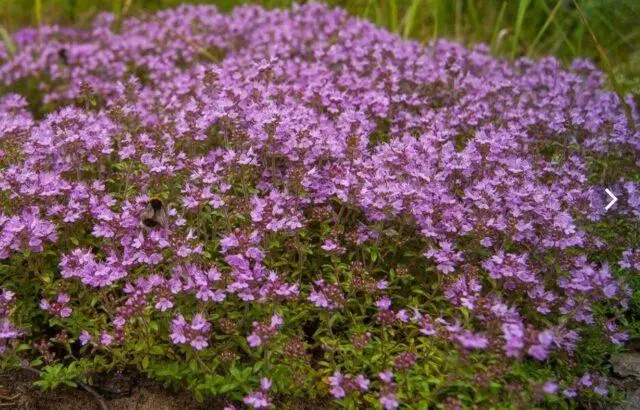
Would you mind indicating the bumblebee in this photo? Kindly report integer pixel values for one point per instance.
(63, 56)
(155, 215)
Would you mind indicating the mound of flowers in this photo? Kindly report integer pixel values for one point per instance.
(273, 205)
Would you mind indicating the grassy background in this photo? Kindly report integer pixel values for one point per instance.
(510, 27)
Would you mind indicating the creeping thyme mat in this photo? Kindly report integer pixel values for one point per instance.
(265, 206)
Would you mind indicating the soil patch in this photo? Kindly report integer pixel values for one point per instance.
(128, 392)
(18, 392)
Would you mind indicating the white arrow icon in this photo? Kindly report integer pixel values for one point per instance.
(613, 199)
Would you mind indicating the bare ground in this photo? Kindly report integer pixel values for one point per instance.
(18, 392)
(130, 392)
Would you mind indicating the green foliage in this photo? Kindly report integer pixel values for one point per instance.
(58, 374)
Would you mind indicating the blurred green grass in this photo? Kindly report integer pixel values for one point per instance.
(510, 27)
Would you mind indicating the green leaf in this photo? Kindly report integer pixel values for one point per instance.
(9, 45)
(235, 373)
(228, 387)
(23, 347)
(157, 350)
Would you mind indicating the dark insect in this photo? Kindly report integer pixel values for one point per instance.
(310, 327)
(62, 54)
(155, 215)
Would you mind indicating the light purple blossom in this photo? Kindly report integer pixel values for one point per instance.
(550, 387)
(194, 334)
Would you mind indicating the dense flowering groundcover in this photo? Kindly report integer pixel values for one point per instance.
(346, 214)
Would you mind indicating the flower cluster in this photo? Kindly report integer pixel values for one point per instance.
(388, 399)
(386, 203)
(259, 399)
(194, 334)
(263, 332)
(59, 307)
(341, 385)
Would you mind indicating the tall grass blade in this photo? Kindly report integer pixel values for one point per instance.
(436, 19)
(127, 5)
(393, 16)
(458, 20)
(380, 15)
(544, 27)
(410, 18)
(475, 19)
(559, 29)
(367, 10)
(624, 38)
(579, 34)
(496, 27)
(9, 45)
(607, 67)
(38, 12)
(522, 9)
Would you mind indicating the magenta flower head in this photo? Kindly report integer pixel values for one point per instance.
(195, 334)
(59, 307)
(84, 337)
(550, 387)
(335, 382)
(259, 399)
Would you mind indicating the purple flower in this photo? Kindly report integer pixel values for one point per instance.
(472, 341)
(362, 382)
(257, 400)
(85, 337)
(163, 304)
(254, 340)
(388, 400)
(59, 307)
(384, 303)
(550, 387)
(601, 390)
(486, 242)
(265, 384)
(263, 332)
(386, 376)
(331, 245)
(335, 382)
(194, 334)
(327, 296)
(540, 352)
(199, 343)
(342, 385)
(105, 338)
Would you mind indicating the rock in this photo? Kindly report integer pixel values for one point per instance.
(626, 365)
(631, 403)
(626, 377)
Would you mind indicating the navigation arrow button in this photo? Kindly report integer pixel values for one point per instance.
(613, 199)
